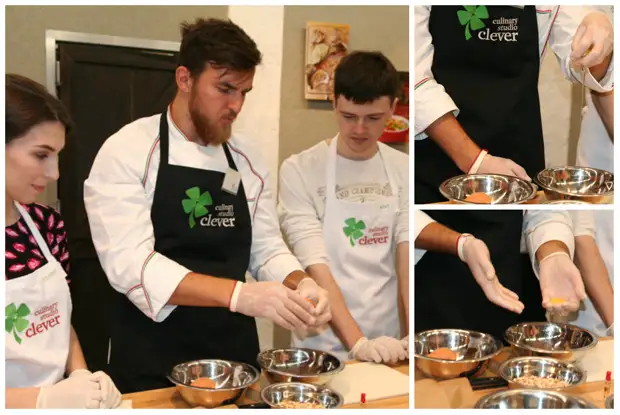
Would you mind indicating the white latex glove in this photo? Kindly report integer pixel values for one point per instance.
(596, 32)
(75, 392)
(405, 342)
(499, 165)
(380, 350)
(308, 288)
(560, 279)
(109, 392)
(477, 257)
(274, 301)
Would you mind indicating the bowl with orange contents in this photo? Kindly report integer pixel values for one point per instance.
(451, 353)
(487, 189)
(559, 341)
(211, 383)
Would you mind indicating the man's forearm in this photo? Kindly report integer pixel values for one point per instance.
(342, 322)
(200, 290)
(75, 360)
(402, 271)
(595, 277)
(21, 398)
(549, 248)
(447, 132)
(604, 104)
(436, 237)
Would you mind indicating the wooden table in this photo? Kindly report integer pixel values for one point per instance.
(169, 398)
(457, 393)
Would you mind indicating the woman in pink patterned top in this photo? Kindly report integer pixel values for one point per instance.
(44, 363)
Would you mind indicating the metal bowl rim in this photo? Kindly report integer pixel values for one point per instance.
(488, 397)
(556, 352)
(550, 189)
(482, 359)
(532, 195)
(608, 401)
(339, 369)
(255, 373)
(318, 389)
(568, 365)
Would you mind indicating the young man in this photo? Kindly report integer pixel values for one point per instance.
(179, 210)
(344, 208)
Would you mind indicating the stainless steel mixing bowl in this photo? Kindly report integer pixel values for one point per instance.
(293, 393)
(545, 339)
(584, 184)
(501, 189)
(541, 367)
(532, 399)
(231, 380)
(299, 365)
(609, 402)
(473, 352)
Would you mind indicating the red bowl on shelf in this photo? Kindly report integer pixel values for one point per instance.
(396, 135)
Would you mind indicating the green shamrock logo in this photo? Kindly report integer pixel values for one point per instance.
(196, 205)
(471, 17)
(354, 229)
(15, 320)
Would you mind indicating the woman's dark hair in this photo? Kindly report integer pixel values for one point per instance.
(363, 77)
(29, 104)
(220, 43)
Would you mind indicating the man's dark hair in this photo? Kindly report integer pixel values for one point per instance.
(28, 104)
(363, 77)
(220, 43)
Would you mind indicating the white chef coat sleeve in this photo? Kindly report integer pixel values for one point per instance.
(298, 215)
(561, 36)
(583, 222)
(119, 215)
(402, 220)
(420, 221)
(270, 258)
(431, 99)
(542, 226)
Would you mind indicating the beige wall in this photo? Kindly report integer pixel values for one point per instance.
(26, 26)
(304, 123)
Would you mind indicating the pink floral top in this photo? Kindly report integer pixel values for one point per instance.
(22, 254)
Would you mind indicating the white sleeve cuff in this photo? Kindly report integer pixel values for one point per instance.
(160, 278)
(606, 84)
(431, 103)
(311, 250)
(278, 268)
(549, 231)
(583, 222)
(421, 221)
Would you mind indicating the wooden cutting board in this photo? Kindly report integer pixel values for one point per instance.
(375, 380)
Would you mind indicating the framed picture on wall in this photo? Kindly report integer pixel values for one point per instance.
(397, 128)
(326, 44)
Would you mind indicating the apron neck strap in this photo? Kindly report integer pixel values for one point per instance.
(35, 233)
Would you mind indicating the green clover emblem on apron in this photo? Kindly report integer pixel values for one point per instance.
(15, 320)
(472, 17)
(196, 205)
(354, 229)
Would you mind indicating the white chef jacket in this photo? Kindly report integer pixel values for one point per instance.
(118, 195)
(301, 205)
(421, 221)
(556, 27)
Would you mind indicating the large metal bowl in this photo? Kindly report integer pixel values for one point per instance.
(545, 339)
(473, 350)
(542, 367)
(500, 188)
(301, 393)
(231, 379)
(299, 365)
(532, 399)
(609, 402)
(583, 184)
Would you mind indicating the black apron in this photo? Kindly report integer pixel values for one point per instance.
(143, 351)
(495, 85)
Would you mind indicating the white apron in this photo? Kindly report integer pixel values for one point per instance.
(37, 321)
(359, 238)
(595, 149)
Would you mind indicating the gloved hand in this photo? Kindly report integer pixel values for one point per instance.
(77, 392)
(561, 284)
(382, 349)
(499, 165)
(275, 302)
(596, 32)
(111, 395)
(405, 342)
(477, 257)
(309, 289)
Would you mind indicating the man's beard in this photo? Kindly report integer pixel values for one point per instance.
(209, 132)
